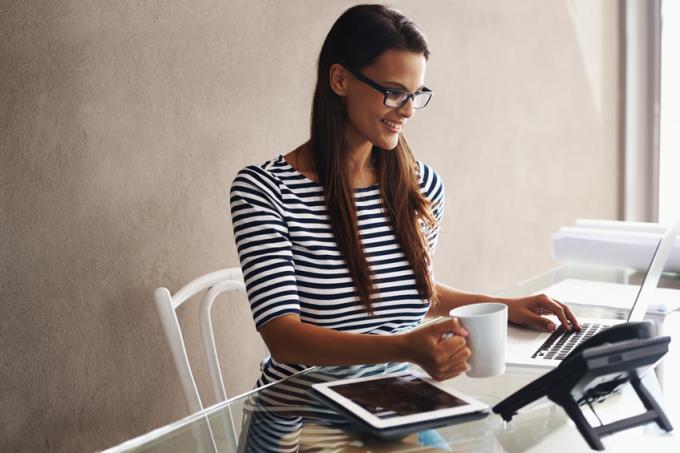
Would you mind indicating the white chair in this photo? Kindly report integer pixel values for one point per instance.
(230, 279)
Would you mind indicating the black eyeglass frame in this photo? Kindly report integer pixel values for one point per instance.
(387, 91)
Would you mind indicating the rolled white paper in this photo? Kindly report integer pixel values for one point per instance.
(621, 247)
(620, 225)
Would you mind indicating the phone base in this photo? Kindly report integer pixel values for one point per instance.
(591, 374)
(593, 435)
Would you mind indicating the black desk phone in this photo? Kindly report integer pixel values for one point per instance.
(592, 371)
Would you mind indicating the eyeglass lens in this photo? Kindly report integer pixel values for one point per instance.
(396, 99)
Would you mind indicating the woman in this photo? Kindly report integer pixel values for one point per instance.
(336, 238)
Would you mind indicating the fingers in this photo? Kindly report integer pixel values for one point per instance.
(556, 309)
(571, 317)
(456, 328)
(447, 356)
(446, 329)
(451, 373)
(458, 361)
(541, 323)
(451, 366)
(454, 344)
(563, 313)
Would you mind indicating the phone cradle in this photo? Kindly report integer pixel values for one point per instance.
(592, 374)
(593, 435)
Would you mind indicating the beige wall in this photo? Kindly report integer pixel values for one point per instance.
(122, 124)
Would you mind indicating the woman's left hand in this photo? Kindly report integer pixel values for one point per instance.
(528, 311)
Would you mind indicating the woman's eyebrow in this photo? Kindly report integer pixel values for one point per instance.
(401, 85)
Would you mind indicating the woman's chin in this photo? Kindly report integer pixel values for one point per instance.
(387, 143)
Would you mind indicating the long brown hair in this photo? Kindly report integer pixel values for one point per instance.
(358, 37)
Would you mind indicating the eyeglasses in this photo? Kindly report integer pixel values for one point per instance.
(395, 98)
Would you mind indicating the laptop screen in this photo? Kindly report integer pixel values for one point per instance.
(646, 292)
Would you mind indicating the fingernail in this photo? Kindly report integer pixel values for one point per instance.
(551, 326)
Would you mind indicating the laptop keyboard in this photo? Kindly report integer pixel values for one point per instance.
(560, 343)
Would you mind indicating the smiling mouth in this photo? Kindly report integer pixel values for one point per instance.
(392, 126)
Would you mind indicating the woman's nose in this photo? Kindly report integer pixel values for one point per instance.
(407, 109)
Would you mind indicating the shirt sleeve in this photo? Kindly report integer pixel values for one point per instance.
(263, 245)
(432, 187)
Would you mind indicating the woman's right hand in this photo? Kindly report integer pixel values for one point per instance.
(435, 350)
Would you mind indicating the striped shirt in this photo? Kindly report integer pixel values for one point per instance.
(291, 263)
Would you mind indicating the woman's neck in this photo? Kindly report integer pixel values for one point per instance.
(359, 152)
(360, 160)
(360, 163)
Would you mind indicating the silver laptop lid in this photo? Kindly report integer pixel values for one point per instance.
(651, 280)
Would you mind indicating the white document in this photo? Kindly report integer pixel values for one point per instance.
(613, 295)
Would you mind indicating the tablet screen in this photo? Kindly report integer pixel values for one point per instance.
(397, 396)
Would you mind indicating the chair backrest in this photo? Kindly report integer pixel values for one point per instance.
(230, 279)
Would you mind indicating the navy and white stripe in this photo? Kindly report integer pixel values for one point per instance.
(291, 263)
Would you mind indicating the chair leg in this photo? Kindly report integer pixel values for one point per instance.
(226, 424)
(204, 437)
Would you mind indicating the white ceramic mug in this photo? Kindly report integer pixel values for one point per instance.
(487, 326)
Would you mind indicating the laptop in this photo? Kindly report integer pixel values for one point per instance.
(547, 349)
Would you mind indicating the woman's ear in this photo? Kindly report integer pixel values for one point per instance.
(338, 79)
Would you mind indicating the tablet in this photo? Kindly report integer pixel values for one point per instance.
(398, 403)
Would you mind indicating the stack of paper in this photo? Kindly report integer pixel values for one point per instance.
(613, 243)
(612, 295)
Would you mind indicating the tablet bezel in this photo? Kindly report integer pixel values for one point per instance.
(471, 405)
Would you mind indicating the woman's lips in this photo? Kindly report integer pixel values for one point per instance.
(392, 126)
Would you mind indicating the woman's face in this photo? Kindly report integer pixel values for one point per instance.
(368, 117)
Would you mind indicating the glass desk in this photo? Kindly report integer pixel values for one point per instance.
(281, 417)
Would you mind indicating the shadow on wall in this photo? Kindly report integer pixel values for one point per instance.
(99, 177)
